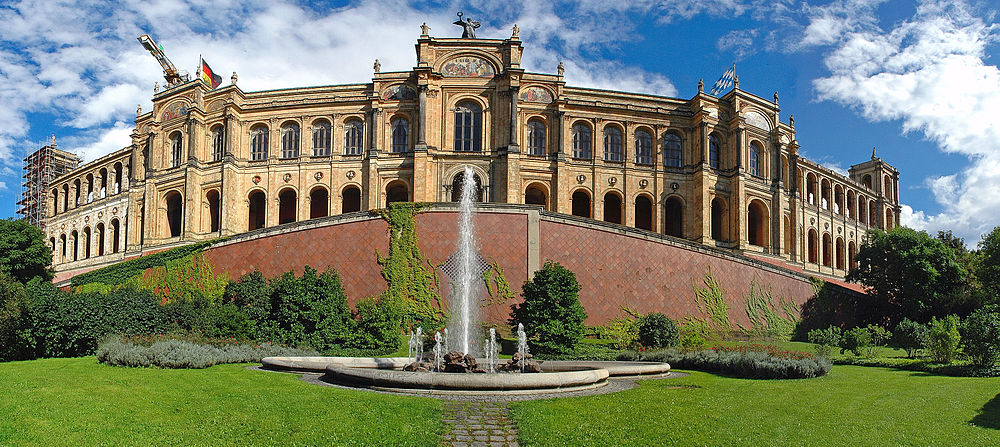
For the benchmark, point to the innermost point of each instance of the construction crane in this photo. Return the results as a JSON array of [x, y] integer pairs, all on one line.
[[170, 72]]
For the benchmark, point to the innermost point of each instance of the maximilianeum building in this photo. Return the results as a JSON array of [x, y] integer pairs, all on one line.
[[718, 171]]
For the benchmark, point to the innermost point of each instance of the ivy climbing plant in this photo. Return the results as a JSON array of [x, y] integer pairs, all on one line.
[[712, 306], [497, 288], [411, 279]]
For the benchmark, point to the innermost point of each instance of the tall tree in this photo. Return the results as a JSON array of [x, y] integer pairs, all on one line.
[[910, 275], [987, 266], [23, 251]]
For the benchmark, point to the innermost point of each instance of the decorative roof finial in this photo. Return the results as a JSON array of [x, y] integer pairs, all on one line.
[[775, 98], [234, 78], [736, 81], [701, 86], [791, 120], [377, 66], [873, 153], [468, 26], [560, 69], [138, 109], [515, 31], [53, 140], [424, 29], [156, 88]]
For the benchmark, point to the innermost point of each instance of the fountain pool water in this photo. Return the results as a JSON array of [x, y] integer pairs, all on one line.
[[464, 298]]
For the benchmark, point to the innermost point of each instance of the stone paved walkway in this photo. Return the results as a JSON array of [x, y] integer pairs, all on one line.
[[478, 424]]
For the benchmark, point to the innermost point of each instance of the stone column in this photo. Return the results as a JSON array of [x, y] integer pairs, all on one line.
[[422, 116], [513, 116]]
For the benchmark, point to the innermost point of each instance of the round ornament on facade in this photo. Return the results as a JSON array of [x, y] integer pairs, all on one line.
[[256, 179], [812, 221], [114, 210], [674, 186], [612, 181], [318, 176], [643, 183], [581, 178], [100, 214], [826, 226], [287, 178], [86, 219], [350, 175], [840, 230], [852, 233]]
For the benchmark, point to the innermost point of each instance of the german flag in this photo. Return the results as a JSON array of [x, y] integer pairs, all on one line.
[[206, 74]]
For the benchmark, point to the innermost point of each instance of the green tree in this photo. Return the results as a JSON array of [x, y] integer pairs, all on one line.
[[23, 251], [910, 275], [987, 266], [311, 309], [909, 336], [551, 311], [943, 338], [981, 336], [16, 342]]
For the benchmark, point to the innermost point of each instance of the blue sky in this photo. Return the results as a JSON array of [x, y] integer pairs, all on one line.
[[917, 79]]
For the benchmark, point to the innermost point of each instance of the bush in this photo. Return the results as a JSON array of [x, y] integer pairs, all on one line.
[[909, 336], [622, 331], [584, 351], [879, 336], [16, 341], [658, 331], [856, 341], [748, 364], [943, 339], [551, 311], [825, 340], [377, 326], [174, 353], [692, 338], [981, 336]]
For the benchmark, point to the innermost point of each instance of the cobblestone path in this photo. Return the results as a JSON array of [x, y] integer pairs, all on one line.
[[478, 424]]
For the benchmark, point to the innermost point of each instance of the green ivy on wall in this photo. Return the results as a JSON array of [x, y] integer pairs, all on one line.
[[410, 278], [711, 301], [498, 290], [767, 317]]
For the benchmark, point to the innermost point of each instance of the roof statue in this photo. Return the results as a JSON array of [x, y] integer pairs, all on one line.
[[515, 31], [377, 66], [560, 69], [469, 26], [424, 29]]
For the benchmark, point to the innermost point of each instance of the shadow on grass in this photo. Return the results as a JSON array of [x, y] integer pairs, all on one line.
[[989, 415]]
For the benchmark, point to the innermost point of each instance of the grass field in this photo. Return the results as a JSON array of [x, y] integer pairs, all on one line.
[[851, 406], [80, 402]]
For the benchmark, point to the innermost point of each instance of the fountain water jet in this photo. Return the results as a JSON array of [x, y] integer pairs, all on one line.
[[465, 285]]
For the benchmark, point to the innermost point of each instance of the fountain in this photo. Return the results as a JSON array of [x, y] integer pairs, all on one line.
[[448, 371]]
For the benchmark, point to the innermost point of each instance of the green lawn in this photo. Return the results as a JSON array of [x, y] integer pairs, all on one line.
[[80, 402], [851, 406]]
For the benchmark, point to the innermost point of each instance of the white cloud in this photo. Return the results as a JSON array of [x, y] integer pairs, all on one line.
[[929, 73], [80, 62]]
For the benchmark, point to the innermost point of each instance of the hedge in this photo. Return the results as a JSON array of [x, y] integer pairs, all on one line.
[[745, 364]]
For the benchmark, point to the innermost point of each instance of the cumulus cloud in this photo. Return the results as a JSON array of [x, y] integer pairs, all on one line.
[[928, 72]]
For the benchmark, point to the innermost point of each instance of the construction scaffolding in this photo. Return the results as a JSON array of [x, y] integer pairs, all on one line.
[[40, 168]]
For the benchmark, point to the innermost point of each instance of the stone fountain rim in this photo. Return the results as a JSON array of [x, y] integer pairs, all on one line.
[[320, 364]]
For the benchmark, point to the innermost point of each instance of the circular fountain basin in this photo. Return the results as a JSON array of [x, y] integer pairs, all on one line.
[[386, 374]]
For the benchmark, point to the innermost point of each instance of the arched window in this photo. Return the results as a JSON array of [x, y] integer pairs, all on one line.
[[218, 143], [396, 192], [536, 137], [827, 250], [674, 216], [176, 149], [290, 140], [90, 188], [400, 135], [214, 207], [55, 202], [99, 232], [788, 235], [581, 141], [535, 195], [114, 235], [75, 237], [672, 151], [612, 207], [65, 198], [612, 144], [888, 219], [118, 178], [86, 243], [258, 143], [581, 203], [457, 184], [351, 199], [319, 202], [643, 213], [468, 127], [757, 224], [867, 181], [755, 159], [643, 147], [287, 206], [718, 218], [840, 253], [811, 188], [714, 152], [812, 246], [257, 210], [353, 137], [851, 254], [79, 190], [321, 138], [102, 182], [175, 210], [62, 244]]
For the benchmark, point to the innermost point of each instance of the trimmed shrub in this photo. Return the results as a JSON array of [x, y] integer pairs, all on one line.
[[173, 353], [551, 311], [658, 331], [584, 351], [825, 340], [943, 339], [692, 338], [981, 336], [857, 341], [909, 336], [377, 325], [622, 331], [746, 364]]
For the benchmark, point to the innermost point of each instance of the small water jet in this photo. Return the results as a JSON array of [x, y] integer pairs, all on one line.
[[466, 281], [492, 351]]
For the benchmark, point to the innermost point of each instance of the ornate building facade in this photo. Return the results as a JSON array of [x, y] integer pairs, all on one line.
[[719, 171]]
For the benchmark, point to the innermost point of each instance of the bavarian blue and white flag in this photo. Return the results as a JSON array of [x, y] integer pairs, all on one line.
[[724, 82]]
